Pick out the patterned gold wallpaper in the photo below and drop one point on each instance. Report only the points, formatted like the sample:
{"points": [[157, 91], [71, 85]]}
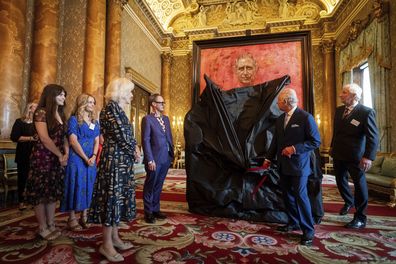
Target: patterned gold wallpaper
{"points": [[317, 61], [72, 51], [138, 52], [28, 52], [181, 91]]}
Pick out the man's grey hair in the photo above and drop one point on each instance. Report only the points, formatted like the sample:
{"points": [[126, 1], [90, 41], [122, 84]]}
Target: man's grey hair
{"points": [[355, 89], [289, 96]]}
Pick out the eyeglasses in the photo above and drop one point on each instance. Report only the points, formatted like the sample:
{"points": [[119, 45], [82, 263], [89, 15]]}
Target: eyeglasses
{"points": [[160, 102]]}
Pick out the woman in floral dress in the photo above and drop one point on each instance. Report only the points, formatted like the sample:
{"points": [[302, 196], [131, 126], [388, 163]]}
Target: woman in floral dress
{"points": [[44, 186], [83, 132], [114, 192]]}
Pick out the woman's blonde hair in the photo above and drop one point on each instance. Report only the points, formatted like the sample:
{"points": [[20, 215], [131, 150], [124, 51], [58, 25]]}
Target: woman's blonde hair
{"points": [[117, 88], [80, 108], [28, 113]]}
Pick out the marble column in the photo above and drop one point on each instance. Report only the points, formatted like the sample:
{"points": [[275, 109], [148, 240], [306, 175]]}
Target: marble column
{"points": [[45, 46], [166, 79], [113, 40], [12, 51], [95, 42], [329, 91]]}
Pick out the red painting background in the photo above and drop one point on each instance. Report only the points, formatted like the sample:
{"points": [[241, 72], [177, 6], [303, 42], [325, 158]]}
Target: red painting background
{"points": [[273, 60]]}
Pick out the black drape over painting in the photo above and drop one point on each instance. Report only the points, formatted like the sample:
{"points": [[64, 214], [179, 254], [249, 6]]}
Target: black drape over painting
{"points": [[227, 133]]}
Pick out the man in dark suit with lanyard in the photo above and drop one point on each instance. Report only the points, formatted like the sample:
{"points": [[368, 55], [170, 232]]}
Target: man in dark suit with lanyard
{"points": [[353, 148], [158, 154], [296, 136]]}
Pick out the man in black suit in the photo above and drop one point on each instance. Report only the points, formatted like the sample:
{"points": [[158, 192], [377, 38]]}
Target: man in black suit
{"points": [[354, 146]]}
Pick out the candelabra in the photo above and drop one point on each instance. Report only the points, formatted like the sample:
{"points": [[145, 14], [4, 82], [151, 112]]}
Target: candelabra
{"points": [[177, 125]]}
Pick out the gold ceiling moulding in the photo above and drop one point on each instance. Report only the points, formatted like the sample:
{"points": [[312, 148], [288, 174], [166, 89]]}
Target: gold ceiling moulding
{"points": [[211, 19], [357, 26]]}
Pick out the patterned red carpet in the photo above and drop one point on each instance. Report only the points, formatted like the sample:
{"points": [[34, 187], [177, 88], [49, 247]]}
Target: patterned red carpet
{"points": [[190, 238]]}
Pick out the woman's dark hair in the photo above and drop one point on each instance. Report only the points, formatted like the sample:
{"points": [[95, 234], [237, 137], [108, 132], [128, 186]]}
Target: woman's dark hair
{"points": [[48, 102]]}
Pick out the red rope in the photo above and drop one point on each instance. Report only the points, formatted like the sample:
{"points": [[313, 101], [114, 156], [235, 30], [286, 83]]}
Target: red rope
{"points": [[257, 187]]}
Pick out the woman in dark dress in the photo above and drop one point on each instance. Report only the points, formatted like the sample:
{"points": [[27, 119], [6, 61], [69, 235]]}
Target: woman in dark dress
{"points": [[114, 192], [24, 134], [44, 186]]}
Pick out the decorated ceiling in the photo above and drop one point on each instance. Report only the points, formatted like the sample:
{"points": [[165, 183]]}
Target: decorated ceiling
{"points": [[178, 17]]}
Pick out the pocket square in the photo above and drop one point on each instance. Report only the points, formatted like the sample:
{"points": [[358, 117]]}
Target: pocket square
{"points": [[295, 125]]}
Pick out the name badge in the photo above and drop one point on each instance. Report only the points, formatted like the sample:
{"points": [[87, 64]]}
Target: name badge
{"points": [[92, 126], [355, 122], [295, 125]]}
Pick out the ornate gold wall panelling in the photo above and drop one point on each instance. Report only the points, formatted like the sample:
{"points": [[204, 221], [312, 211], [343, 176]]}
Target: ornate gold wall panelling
{"points": [[72, 42], [181, 92]]}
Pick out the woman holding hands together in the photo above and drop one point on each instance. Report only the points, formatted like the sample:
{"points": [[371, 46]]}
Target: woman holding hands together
{"points": [[83, 131], [44, 186]]}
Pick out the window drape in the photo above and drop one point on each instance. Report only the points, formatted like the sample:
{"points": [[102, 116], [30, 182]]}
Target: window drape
{"points": [[373, 46]]}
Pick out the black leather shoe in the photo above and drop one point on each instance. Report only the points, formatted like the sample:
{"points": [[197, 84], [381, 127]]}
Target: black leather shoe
{"points": [[306, 241], [288, 228], [345, 209], [356, 224], [149, 218], [159, 215]]}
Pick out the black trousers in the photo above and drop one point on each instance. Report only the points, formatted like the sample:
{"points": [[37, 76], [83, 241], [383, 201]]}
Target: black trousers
{"points": [[360, 197], [23, 171], [315, 197], [315, 186]]}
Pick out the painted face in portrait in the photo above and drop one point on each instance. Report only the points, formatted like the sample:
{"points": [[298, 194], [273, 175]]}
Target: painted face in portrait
{"points": [[246, 70]]}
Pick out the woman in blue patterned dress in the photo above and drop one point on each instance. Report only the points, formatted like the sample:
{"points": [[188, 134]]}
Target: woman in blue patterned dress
{"points": [[83, 132], [44, 186], [114, 192]]}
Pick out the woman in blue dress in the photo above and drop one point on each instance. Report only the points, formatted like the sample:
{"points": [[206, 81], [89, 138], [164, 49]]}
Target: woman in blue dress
{"points": [[83, 132]]}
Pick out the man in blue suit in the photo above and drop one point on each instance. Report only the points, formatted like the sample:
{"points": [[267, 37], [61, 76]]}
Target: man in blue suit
{"points": [[158, 154], [353, 148], [296, 136]]}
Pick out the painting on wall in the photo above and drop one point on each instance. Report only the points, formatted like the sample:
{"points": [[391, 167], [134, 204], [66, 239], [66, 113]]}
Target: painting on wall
{"points": [[251, 60]]}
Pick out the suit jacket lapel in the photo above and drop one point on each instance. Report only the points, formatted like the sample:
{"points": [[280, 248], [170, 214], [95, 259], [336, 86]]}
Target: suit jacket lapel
{"points": [[354, 110], [282, 122], [158, 125]]}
